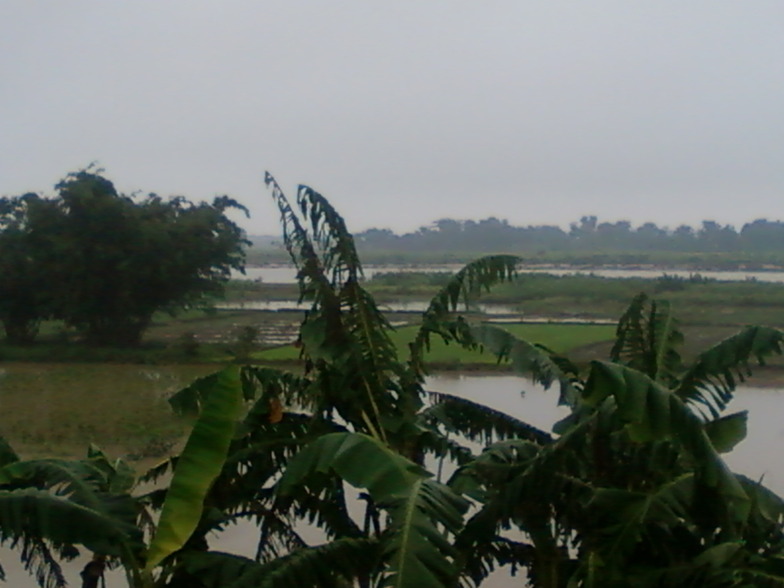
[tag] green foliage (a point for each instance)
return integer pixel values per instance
(26, 286)
(198, 465)
(416, 552)
(629, 489)
(104, 262)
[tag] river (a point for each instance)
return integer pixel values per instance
(757, 457)
(288, 275)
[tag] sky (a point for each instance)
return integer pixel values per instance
(405, 112)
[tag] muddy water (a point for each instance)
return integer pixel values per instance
(759, 456)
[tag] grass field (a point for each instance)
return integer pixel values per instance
(562, 338)
(58, 409)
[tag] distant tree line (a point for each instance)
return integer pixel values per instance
(496, 235)
(104, 263)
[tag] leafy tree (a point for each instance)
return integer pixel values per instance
(109, 262)
(26, 284)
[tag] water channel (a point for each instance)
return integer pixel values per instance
(757, 457)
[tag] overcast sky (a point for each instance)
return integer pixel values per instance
(408, 111)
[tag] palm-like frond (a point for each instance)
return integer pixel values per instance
(315, 286)
(416, 551)
(652, 412)
(334, 564)
(715, 373)
(536, 361)
(625, 518)
(477, 422)
(483, 557)
(39, 514)
(40, 496)
(524, 485)
(330, 232)
(647, 338)
(344, 334)
(464, 287)
(80, 480)
(42, 559)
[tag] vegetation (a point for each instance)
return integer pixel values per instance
(104, 263)
(440, 355)
(628, 489)
(492, 234)
(588, 242)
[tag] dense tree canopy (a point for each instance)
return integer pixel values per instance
(493, 235)
(105, 262)
(26, 293)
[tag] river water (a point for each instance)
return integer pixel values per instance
(413, 306)
(759, 456)
(288, 275)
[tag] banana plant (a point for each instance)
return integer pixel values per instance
(635, 437)
(50, 507)
(632, 489)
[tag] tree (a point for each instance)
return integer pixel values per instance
(26, 283)
(111, 261)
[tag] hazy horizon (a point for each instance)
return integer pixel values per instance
(405, 113)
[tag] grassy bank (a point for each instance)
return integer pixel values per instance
(562, 338)
(689, 260)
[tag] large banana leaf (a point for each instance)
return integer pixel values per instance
(344, 330)
(416, 551)
(712, 378)
(49, 506)
(464, 286)
(646, 340)
(541, 364)
(652, 412)
(623, 518)
(477, 422)
(726, 432)
(39, 514)
(332, 565)
(198, 465)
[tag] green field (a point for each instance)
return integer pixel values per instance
(59, 408)
(561, 338)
